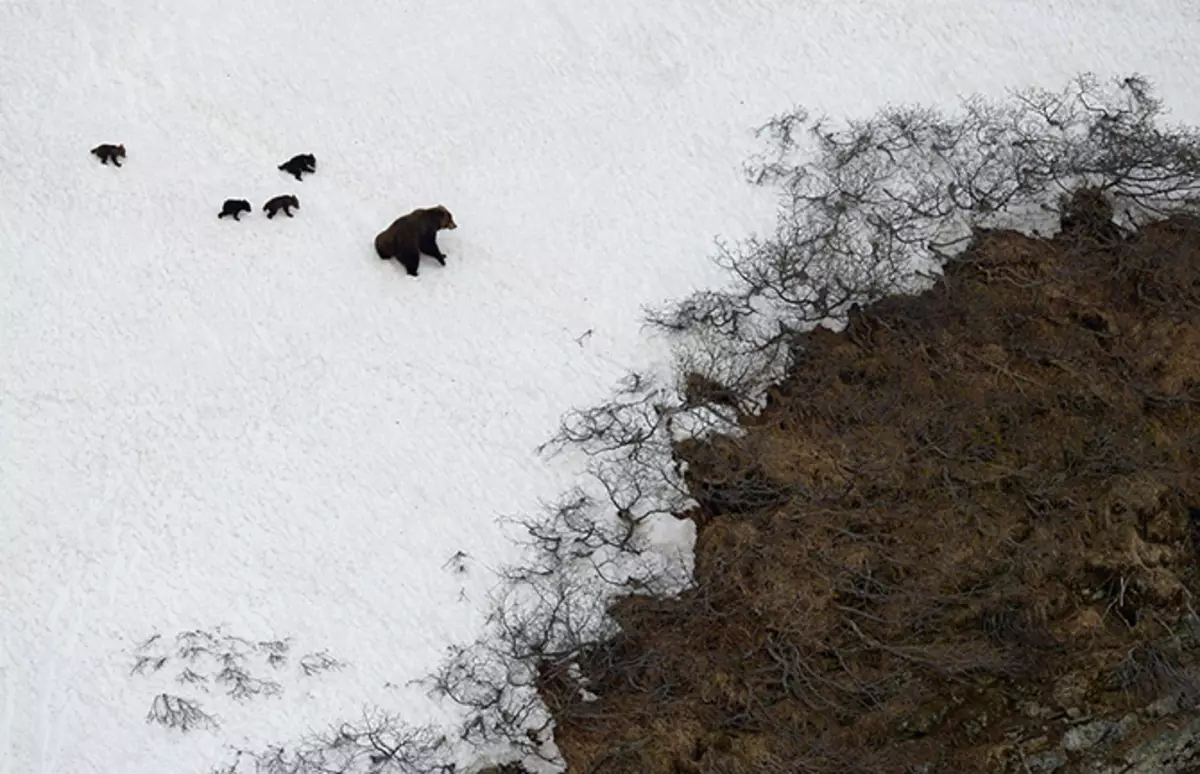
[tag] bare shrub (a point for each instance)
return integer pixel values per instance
(218, 658)
(240, 684)
(870, 209)
(177, 712)
(228, 656)
(208, 659)
(380, 743)
(551, 612)
(315, 663)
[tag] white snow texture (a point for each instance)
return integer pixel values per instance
(261, 425)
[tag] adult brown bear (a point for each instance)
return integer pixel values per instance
(413, 234)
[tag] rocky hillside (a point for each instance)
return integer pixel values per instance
(963, 537)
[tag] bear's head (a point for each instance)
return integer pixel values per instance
(444, 218)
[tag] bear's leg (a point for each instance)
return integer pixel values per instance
(429, 246)
(411, 259)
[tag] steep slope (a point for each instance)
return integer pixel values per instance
(259, 423)
(973, 543)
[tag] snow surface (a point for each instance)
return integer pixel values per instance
(260, 424)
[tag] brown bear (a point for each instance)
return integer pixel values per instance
(297, 165)
(233, 208)
(106, 152)
(413, 234)
(286, 202)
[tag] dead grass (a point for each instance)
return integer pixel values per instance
(954, 502)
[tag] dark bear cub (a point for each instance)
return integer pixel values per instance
(286, 202)
(299, 164)
(413, 234)
(106, 153)
(234, 208)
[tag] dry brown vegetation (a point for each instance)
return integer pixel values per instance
(969, 503)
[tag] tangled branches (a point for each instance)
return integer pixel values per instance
(378, 744)
(867, 210)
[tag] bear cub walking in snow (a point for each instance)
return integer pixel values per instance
(286, 202)
(297, 165)
(413, 234)
(106, 153)
(234, 208)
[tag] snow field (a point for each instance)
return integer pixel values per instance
(260, 423)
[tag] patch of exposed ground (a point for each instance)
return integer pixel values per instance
(961, 538)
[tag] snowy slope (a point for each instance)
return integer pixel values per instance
(260, 424)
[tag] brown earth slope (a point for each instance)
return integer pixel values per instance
(963, 537)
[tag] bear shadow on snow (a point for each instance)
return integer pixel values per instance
(413, 234)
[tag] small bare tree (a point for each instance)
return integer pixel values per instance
(178, 712)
